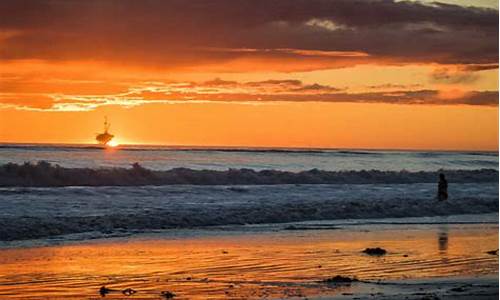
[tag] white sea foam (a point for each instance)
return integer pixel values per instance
(30, 213)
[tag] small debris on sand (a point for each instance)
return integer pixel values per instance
(167, 294)
(493, 252)
(340, 279)
(129, 291)
(103, 291)
(293, 293)
(375, 251)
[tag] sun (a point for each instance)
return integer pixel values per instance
(112, 144)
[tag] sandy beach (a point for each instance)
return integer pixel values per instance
(423, 261)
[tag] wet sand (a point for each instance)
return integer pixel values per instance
(423, 261)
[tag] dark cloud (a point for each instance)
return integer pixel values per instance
(427, 97)
(308, 34)
(317, 87)
(481, 98)
(454, 76)
(481, 67)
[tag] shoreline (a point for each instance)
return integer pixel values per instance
(95, 237)
(265, 263)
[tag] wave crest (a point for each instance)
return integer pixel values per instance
(44, 174)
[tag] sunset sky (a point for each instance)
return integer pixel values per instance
(287, 73)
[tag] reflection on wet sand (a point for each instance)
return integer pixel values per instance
(443, 241)
(272, 264)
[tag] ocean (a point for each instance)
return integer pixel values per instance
(220, 158)
(87, 192)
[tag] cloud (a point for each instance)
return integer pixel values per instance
(481, 67)
(392, 86)
(248, 35)
(249, 93)
(453, 76)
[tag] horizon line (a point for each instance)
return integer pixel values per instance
(208, 147)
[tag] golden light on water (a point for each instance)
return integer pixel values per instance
(112, 144)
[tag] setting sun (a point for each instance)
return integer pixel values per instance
(112, 144)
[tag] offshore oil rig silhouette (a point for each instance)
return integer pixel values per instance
(105, 137)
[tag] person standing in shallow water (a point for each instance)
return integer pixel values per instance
(442, 188)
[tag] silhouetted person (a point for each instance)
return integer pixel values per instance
(442, 188)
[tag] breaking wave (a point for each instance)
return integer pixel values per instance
(44, 174)
(34, 213)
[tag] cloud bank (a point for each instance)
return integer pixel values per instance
(240, 36)
(283, 35)
(253, 93)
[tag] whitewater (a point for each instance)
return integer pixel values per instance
(85, 192)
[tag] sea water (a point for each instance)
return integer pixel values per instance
(164, 158)
(59, 213)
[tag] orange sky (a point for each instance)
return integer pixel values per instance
(222, 74)
(280, 124)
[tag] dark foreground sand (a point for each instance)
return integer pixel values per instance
(482, 287)
(440, 261)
